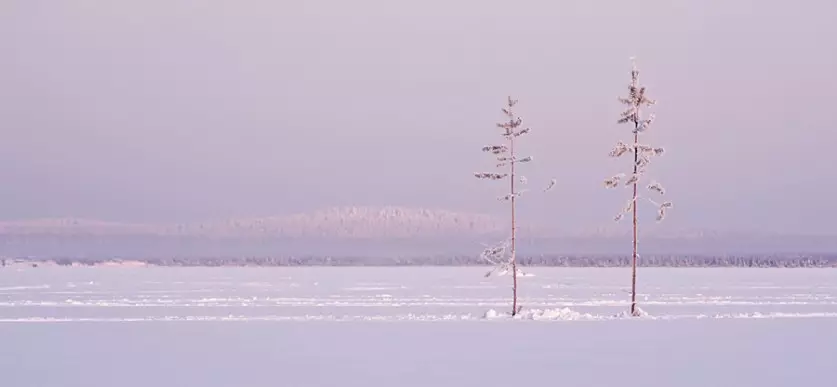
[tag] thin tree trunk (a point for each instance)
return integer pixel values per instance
(633, 264)
(513, 229)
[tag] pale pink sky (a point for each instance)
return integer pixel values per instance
(174, 110)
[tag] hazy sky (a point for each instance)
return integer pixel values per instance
(174, 110)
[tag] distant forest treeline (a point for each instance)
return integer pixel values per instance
(783, 261)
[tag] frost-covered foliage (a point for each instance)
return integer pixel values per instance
(642, 155)
(497, 256)
(502, 255)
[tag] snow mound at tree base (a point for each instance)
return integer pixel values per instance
(559, 314)
(639, 314)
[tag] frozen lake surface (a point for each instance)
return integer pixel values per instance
(414, 326)
(114, 294)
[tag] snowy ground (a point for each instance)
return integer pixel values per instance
(399, 294)
(414, 327)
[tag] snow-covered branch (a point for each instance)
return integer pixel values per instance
(620, 149)
(490, 176)
(656, 187)
(495, 149)
(614, 180)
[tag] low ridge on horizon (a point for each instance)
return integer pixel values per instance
(348, 221)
